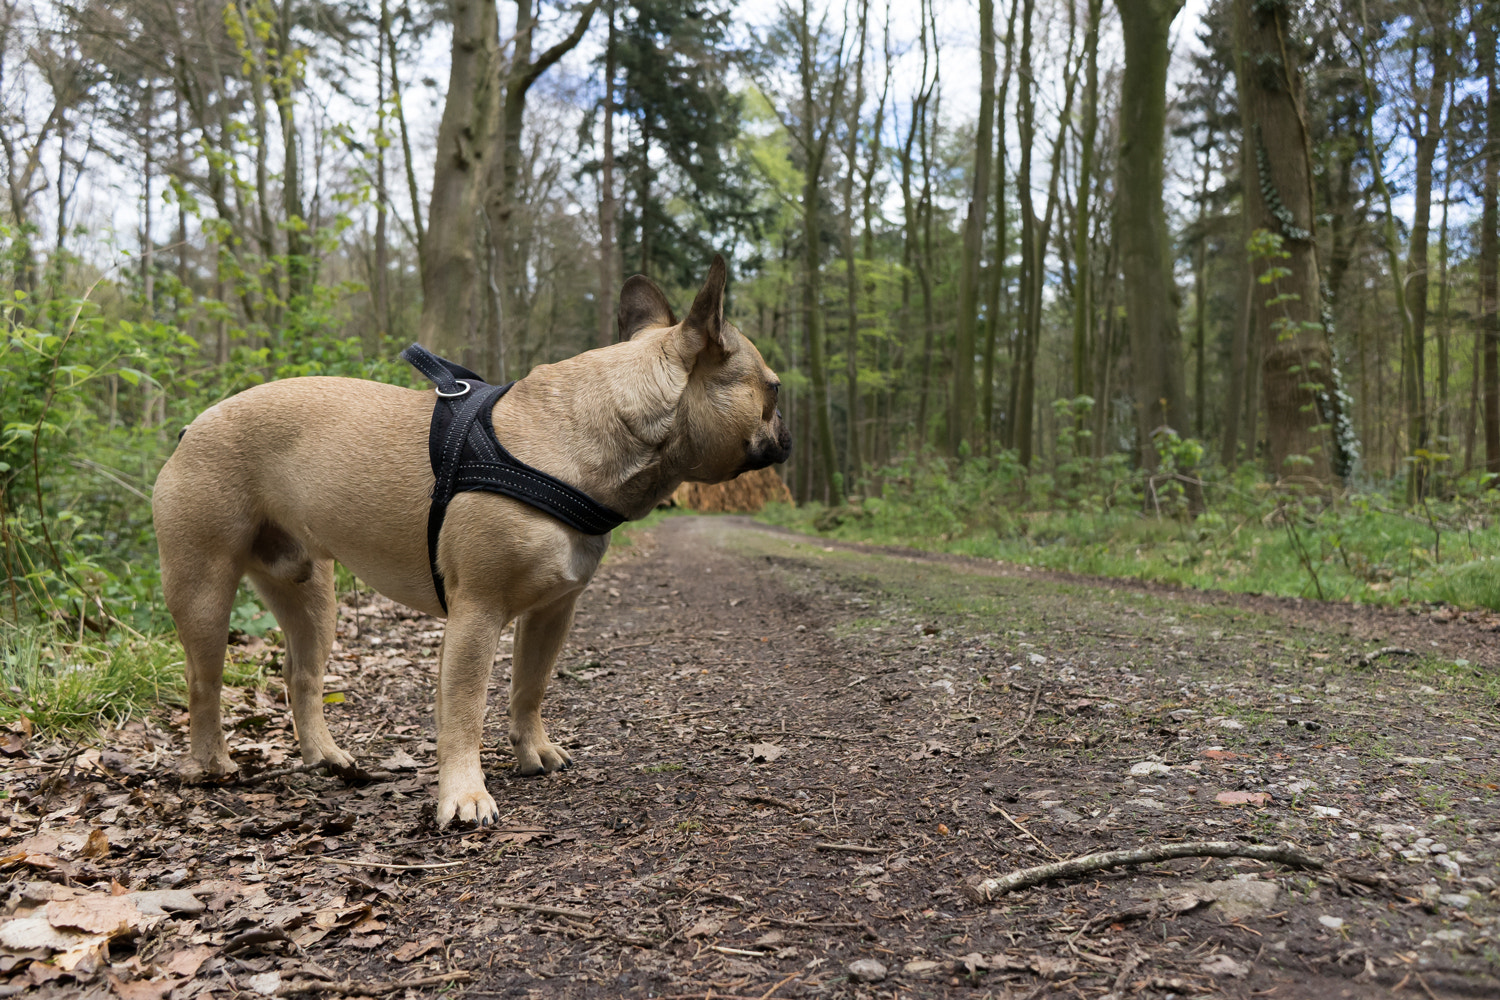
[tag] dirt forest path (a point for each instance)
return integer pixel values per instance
(794, 760)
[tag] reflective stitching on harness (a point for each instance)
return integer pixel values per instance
(467, 457)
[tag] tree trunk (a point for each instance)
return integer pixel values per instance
(450, 275)
(1023, 375)
(398, 109)
(1427, 136)
(961, 421)
(1489, 241)
(1083, 287)
(1155, 343)
(1001, 248)
(851, 264)
(608, 210)
(815, 146)
(382, 285)
(1296, 362)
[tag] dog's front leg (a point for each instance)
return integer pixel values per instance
(540, 634)
(467, 655)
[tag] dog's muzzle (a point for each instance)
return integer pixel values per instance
(771, 450)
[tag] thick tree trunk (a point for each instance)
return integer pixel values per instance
(1489, 241)
(961, 420)
(1288, 328)
(450, 270)
(1150, 294)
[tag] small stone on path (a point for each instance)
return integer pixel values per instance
(866, 970)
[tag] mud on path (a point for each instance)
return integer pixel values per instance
(793, 757)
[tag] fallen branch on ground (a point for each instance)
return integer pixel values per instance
(370, 989)
(986, 889)
(1368, 658)
(394, 867)
(555, 911)
(853, 848)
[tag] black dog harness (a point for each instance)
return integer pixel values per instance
(466, 456)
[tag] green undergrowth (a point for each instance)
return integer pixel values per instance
(1354, 547)
(66, 686)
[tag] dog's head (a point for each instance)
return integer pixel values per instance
(727, 420)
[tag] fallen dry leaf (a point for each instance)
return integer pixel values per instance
(765, 752)
(413, 950)
(142, 989)
(707, 927)
(97, 846)
(1242, 798)
(96, 914)
(187, 962)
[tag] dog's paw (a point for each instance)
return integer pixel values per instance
(335, 760)
(193, 771)
(476, 807)
(541, 758)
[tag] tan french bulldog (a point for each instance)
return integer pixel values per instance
(281, 480)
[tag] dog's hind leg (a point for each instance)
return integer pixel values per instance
(199, 591)
(540, 634)
(302, 598)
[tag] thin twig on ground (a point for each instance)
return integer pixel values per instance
(555, 911)
(986, 889)
(1037, 840)
(852, 848)
(370, 989)
(393, 867)
(1036, 696)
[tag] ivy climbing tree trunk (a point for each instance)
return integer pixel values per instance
(1286, 320)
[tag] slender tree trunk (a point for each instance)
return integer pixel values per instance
(1083, 285)
(851, 263)
(1411, 347)
(148, 243)
(961, 421)
(382, 282)
(608, 208)
(1239, 372)
(1001, 250)
(815, 146)
(1023, 375)
(1489, 241)
(399, 110)
(1155, 343)
(1296, 361)
(1200, 304)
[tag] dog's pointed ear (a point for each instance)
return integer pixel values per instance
(705, 320)
(642, 306)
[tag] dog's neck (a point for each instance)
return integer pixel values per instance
(605, 423)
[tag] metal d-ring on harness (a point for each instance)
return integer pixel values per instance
(467, 456)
